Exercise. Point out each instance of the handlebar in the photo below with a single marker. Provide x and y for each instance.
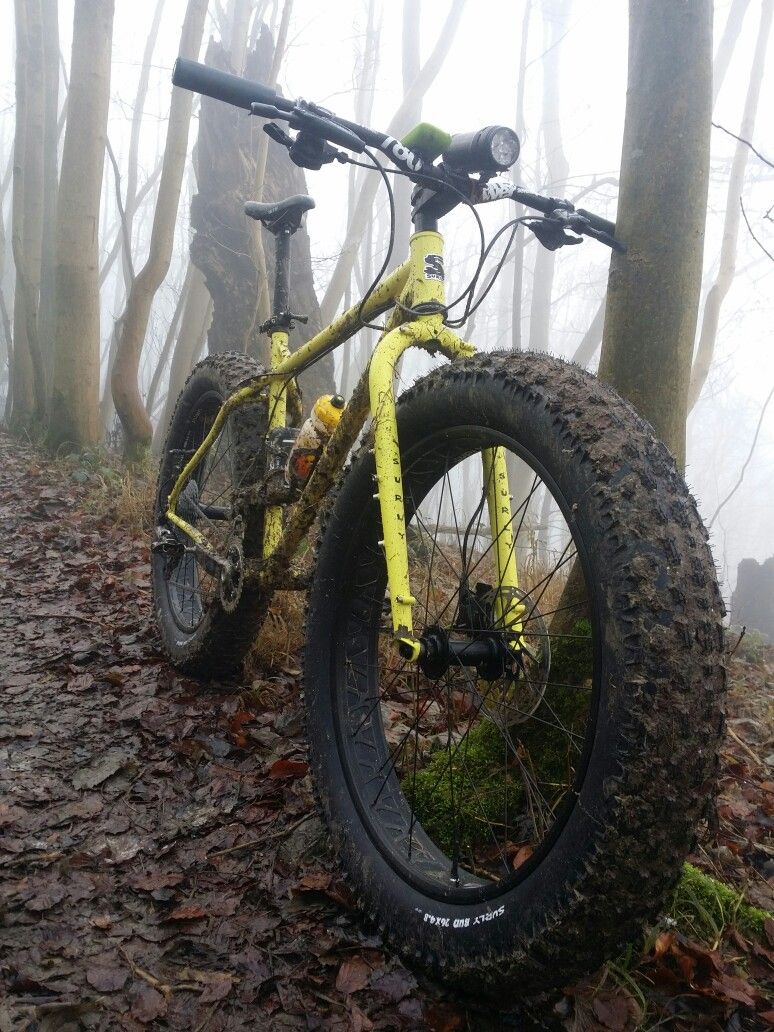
(231, 89)
(596, 222)
(577, 219)
(318, 122)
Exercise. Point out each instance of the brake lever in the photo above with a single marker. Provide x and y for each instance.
(307, 121)
(579, 223)
(267, 111)
(552, 233)
(274, 132)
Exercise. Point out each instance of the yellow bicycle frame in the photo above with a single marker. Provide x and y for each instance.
(416, 284)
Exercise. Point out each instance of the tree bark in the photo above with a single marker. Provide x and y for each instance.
(364, 98)
(137, 428)
(410, 68)
(653, 290)
(727, 264)
(28, 387)
(130, 201)
(50, 10)
(517, 291)
(220, 247)
(726, 44)
(592, 338)
(557, 15)
(118, 242)
(7, 351)
(169, 340)
(74, 418)
(262, 298)
(193, 327)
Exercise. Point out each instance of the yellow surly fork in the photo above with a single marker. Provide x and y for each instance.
(415, 292)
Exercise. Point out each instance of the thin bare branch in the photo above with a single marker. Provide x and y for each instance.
(750, 231)
(747, 143)
(743, 470)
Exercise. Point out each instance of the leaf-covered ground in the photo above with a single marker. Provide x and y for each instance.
(161, 861)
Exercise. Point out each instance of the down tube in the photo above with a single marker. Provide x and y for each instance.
(507, 608)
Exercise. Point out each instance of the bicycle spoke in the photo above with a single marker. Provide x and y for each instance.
(483, 762)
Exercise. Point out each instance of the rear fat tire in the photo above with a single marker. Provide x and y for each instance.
(219, 644)
(654, 756)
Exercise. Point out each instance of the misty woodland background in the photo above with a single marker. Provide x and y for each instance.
(177, 259)
(124, 258)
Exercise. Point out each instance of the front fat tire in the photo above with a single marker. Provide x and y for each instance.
(654, 755)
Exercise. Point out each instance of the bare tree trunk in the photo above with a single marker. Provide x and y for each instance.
(130, 201)
(193, 327)
(517, 292)
(592, 338)
(169, 340)
(29, 390)
(653, 290)
(50, 10)
(7, 351)
(221, 241)
(398, 126)
(410, 67)
(726, 44)
(118, 243)
(262, 303)
(75, 391)
(240, 29)
(137, 428)
(364, 98)
(727, 265)
(557, 15)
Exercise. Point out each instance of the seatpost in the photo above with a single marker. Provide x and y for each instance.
(282, 272)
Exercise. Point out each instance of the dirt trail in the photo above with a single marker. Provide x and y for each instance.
(160, 858)
(161, 861)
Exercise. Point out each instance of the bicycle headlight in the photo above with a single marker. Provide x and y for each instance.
(489, 150)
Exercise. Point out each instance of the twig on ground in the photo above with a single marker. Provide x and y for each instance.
(260, 841)
(744, 745)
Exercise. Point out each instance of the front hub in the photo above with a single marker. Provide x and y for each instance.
(491, 656)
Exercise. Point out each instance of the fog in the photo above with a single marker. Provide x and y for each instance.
(475, 87)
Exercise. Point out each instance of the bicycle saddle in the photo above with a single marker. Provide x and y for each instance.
(280, 215)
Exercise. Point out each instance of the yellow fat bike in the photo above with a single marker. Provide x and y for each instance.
(512, 671)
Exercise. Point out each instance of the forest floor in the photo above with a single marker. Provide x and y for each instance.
(162, 864)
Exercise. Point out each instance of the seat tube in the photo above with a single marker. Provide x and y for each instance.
(272, 520)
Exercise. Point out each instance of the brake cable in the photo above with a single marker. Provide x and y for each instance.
(484, 249)
(430, 182)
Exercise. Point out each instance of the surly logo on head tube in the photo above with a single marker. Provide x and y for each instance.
(434, 266)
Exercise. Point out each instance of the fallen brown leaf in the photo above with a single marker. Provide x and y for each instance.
(353, 975)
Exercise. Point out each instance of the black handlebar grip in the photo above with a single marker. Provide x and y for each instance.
(603, 225)
(231, 89)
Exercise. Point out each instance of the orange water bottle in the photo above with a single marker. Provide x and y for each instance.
(312, 438)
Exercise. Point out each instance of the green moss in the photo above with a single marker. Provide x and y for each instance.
(704, 907)
(471, 779)
(572, 659)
